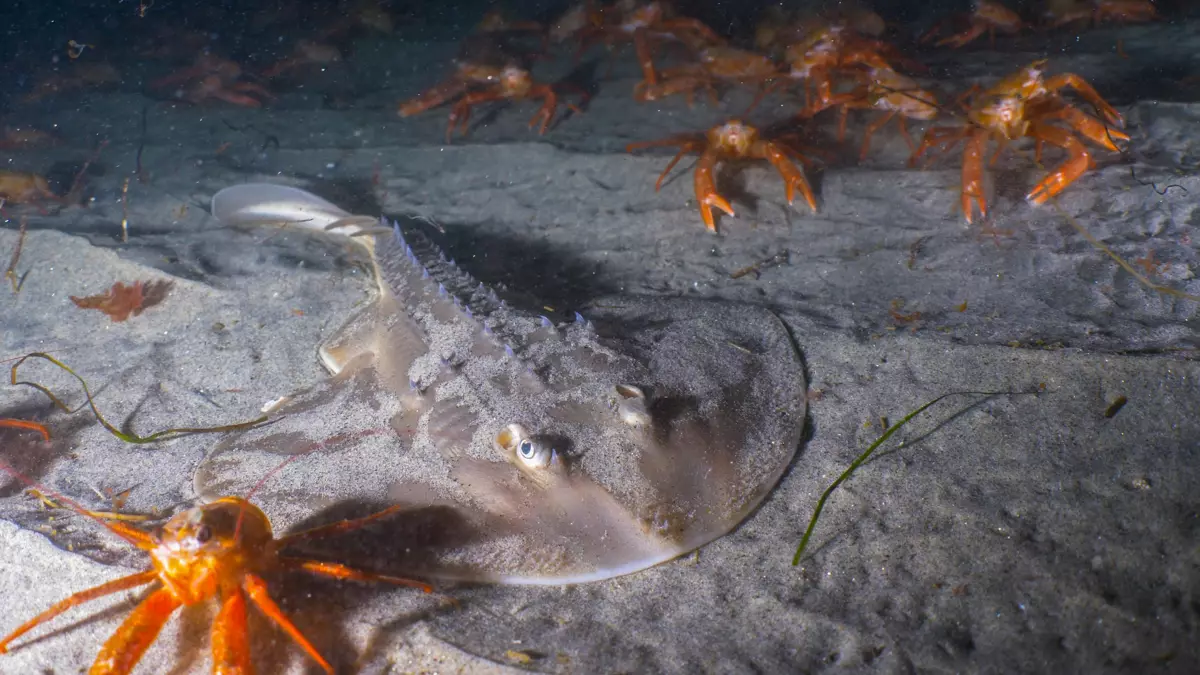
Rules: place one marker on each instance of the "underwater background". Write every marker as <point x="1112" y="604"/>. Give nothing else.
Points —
<point x="1058" y="530"/>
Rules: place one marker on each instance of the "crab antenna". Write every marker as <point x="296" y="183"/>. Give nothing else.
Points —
<point x="127" y="533"/>
<point x="237" y="528"/>
<point x="27" y="425"/>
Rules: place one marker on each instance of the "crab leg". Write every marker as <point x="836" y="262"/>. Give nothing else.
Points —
<point x="252" y="88"/>
<point x="114" y="586"/>
<point x="182" y="76"/>
<point x="641" y="44"/>
<point x="1125" y="11"/>
<point x="256" y="588"/>
<point x="236" y="98"/>
<point x="1087" y="92"/>
<point x="432" y="98"/>
<point x="686" y="144"/>
<point x="933" y="31"/>
<point x="546" y="112"/>
<point x="461" y="114"/>
<point x="706" y="189"/>
<point x="336" y="528"/>
<point x="1002" y="145"/>
<point x="549" y="105"/>
<point x="939" y="137"/>
<point x="822" y="85"/>
<point x="972" y="175"/>
<point x="907" y="136"/>
<point x="687" y="148"/>
<point x="230" y="638"/>
<point x="876" y="126"/>
<point x="705" y="34"/>
<point x="124" y="649"/>
<point x="977" y="28"/>
<point x="1079" y="160"/>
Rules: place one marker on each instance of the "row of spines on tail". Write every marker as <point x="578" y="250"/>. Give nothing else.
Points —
<point x="403" y="253"/>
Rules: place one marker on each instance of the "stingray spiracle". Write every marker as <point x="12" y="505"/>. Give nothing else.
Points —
<point x="632" y="406"/>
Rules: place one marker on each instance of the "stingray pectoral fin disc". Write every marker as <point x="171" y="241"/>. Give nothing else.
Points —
<point x="724" y="401"/>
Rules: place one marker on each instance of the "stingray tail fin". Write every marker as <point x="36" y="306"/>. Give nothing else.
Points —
<point x="283" y="205"/>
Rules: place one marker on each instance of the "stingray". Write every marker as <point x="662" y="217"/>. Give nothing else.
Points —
<point x="566" y="451"/>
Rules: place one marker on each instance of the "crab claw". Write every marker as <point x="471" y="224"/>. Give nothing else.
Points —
<point x="706" y="190"/>
<point x="793" y="177"/>
<point x="1079" y="160"/>
<point x="1089" y="93"/>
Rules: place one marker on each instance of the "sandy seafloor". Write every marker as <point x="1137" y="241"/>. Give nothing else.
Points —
<point x="1004" y="534"/>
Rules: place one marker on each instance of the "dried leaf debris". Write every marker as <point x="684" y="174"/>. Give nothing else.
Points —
<point x="122" y="301"/>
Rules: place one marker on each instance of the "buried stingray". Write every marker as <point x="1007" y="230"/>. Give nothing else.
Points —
<point x="572" y="452"/>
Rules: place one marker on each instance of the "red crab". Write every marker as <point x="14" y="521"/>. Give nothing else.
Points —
<point x="715" y="65"/>
<point x="214" y="77"/>
<point x="987" y="17"/>
<point x="883" y="89"/>
<point x="473" y="84"/>
<point x="305" y="53"/>
<point x="1027" y="104"/>
<point x="19" y="187"/>
<point x="15" y="138"/>
<point x="645" y="26"/>
<point x="834" y="50"/>
<point x="1063" y="12"/>
<point x="732" y="141"/>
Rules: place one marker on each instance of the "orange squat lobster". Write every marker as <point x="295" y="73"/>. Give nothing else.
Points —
<point x="1064" y="12"/>
<point x="19" y="187"/>
<point x="474" y="84"/>
<point x="15" y="138"/>
<point x="646" y="25"/>
<point x="732" y="140"/>
<point x="715" y="65"/>
<point x="305" y="53"/>
<point x="1027" y="104"/>
<point x="883" y="89"/>
<point x="831" y="51"/>
<point x="214" y="77"/>
<point x="217" y="550"/>
<point x="987" y="17"/>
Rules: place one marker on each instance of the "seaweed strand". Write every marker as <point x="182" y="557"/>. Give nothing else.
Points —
<point x="812" y="523"/>
<point x="128" y="437"/>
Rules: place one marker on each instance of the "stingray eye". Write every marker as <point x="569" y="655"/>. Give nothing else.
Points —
<point x="530" y="454"/>
<point x="632" y="407"/>
<point x="536" y="454"/>
<point x="203" y="534"/>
